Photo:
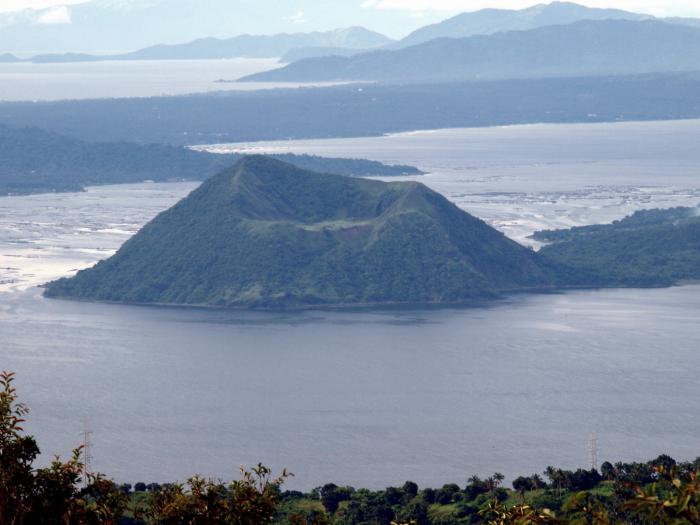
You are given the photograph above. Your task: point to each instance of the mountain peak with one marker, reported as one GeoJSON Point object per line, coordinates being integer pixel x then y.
{"type": "Point", "coordinates": [266, 234]}
{"type": "Point", "coordinates": [492, 20]}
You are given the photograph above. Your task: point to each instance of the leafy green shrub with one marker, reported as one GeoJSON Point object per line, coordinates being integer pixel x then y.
{"type": "Point", "coordinates": [49, 495]}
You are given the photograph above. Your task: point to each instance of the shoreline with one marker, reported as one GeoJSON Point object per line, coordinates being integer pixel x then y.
{"type": "Point", "coordinates": [416, 132]}
{"type": "Point", "coordinates": [485, 302]}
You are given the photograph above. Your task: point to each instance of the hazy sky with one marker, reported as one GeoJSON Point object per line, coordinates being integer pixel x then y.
{"type": "Point", "coordinates": [111, 26]}
{"type": "Point", "coordinates": [657, 7]}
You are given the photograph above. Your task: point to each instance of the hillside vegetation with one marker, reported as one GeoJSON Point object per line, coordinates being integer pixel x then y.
{"type": "Point", "coordinates": [267, 234]}
{"type": "Point", "coordinates": [37, 161]}
{"type": "Point", "coordinates": [649, 248]}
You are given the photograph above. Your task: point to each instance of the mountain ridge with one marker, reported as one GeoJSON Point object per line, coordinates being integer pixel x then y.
{"type": "Point", "coordinates": [342, 41]}
{"type": "Point", "coordinates": [585, 48]}
{"type": "Point", "coordinates": [493, 20]}
{"type": "Point", "coordinates": [116, 28]}
{"type": "Point", "coordinates": [38, 161]}
{"type": "Point", "coordinates": [239, 46]}
{"type": "Point", "coordinates": [109, 28]}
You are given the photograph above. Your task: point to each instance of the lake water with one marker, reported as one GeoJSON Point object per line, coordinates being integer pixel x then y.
{"type": "Point", "coordinates": [85, 80]}
{"type": "Point", "coordinates": [373, 397]}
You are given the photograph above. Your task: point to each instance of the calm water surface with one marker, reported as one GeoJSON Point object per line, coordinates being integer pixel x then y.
{"type": "Point", "coordinates": [371, 397]}
{"type": "Point", "coordinates": [27, 81]}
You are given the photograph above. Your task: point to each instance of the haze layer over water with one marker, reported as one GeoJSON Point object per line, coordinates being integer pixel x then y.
{"type": "Point", "coordinates": [133, 78]}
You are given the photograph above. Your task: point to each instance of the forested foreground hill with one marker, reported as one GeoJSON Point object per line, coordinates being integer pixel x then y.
{"type": "Point", "coordinates": [37, 161]}
{"type": "Point", "coordinates": [649, 248]}
{"type": "Point", "coordinates": [268, 234]}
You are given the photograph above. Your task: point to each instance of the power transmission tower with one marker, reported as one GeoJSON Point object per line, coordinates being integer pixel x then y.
{"type": "Point", "coordinates": [594, 451]}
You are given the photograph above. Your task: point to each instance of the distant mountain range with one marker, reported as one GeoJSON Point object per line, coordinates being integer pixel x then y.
{"type": "Point", "coordinates": [109, 27]}
{"type": "Point", "coordinates": [489, 21]}
{"type": "Point", "coordinates": [292, 47]}
{"type": "Point", "coordinates": [253, 46]}
{"type": "Point", "coordinates": [243, 46]}
{"type": "Point", "coordinates": [37, 161]}
{"type": "Point", "coordinates": [602, 47]}
{"type": "Point", "coordinates": [268, 235]}
{"type": "Point", "coordinates": [695, 22]}
{"type": "Point", "coordinates": [301, 53]}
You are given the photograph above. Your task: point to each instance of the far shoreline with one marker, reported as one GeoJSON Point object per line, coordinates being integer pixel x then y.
{"type": "Point", "coordinates": [244, 146]}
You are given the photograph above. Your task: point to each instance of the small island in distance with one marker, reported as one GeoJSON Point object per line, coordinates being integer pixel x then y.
{"type": "Point", "coordinates": [266, 234]}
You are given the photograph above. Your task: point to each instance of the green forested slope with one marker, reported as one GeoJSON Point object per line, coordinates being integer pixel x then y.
{"type": "Point", "coordinates": [649, 248]}
{"type": "Point", "coordinates": [267, 234]}
{"type": "Point", "coordinates": [37, 161]}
